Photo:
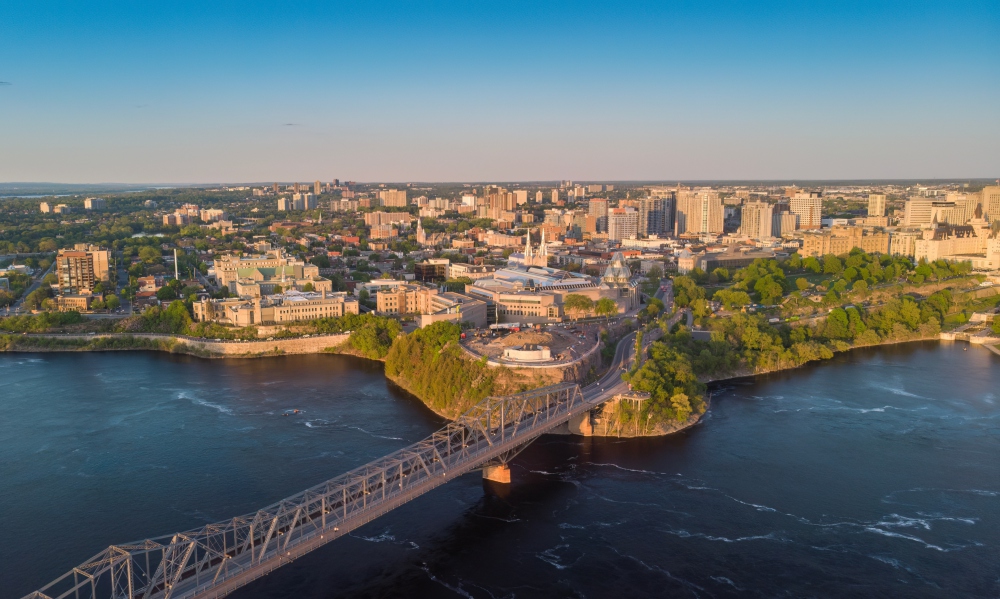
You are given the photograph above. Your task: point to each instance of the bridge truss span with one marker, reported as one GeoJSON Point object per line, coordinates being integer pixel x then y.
{"type": "Point", "coordinates": [214, 560]}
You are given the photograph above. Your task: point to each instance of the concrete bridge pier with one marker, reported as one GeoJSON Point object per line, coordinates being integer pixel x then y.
{"type": "Point", "coordinates": [498, 473]}
{"type": "Point", "coordinates": [581, 424]}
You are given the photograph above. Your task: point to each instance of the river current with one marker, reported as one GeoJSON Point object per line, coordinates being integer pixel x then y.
{"type": "Point", "coordinates": [874, 474]}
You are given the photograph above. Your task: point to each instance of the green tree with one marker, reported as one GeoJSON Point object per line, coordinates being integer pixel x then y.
{"type": "Point", "coordinates": [682, 406]}
{"type": "Point", "coordinates": [769, 289]}
{"type": "Point", "coordinates": [837, 325]}
{"type": "Point", "coordinates": [606, 307]}
{"type": "Point", "coordinates": [308, 287]}
{"type": "Point", "coordinates": [577, 304]}
{"type": "Point", "coordinates": [150, 255]}
{"type": "Point", "coordinates": [321, 261]}
{"type": "Point", "coordinates": [457, 284]}
{"type": "Point", "coordinates": [832, 265]}
{"type": "Point", "coordinates": [732, 298]}
{"type": "Point", "coordinates": [686, 291]}
{"type": "Point", "coordinates": [802, 284]}
{"type": "Point", "coordinates": [996, 325]}
{"type": "Point", "coordinates": [166, 293]}
{"type": "Point", "coordinates": [811, 263]}
{"type": "Point", "coordinates": [653, 308]}
{"type": "Point", "coordinates": [112, 302]}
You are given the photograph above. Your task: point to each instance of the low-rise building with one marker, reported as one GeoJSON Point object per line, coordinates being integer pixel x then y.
{"type": "Point", "coordinates": [431, 305]}
{"type": "Point", "coordinates": [454, 307]}
{"type": "Point", "coordinates": [732, 258]}
{"type": "Point", "coordinates": [287, 307]}
{"type": "Point", "coordinates": [975, 243]}
{"type": "Point", "coordinates": [258, 275]}
{"type": "Point", "coordinates": [81, 302]}
{"type": "Point", "coordinates": [471, 271]}
{"type": "Point", "coordinates": [842, 239]}
{"type": "Point", "coordinates": [432, 269]}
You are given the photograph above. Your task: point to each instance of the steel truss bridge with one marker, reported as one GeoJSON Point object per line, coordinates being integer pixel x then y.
{"type": "Point", "coordinates": [214, 560]}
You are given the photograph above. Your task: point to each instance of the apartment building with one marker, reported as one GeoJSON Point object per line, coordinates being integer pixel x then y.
{"type": "Point", "coordinates": [757, 221]}
{"type": "Point", "coordinates": [79, 269]}
{"type": "Point", "coordinates": [383, 232]}
{"type": "Point", "coordinates": [656, 215]}
{"type": "Point", "coordinates": [623, 223]}
{"type": "Point", "coordinates": [392, 198]}
{"type": "Point", "coordinates": [598, 208]}
{"type": "Point", "coordinates": [699, 212]}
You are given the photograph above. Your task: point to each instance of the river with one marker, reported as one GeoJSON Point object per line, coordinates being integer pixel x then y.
{"type": "Point", "coordinates": [873, 474]}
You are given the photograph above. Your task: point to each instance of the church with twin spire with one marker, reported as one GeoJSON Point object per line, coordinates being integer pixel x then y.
{"type": "Point", "coordinates": [529, 257]}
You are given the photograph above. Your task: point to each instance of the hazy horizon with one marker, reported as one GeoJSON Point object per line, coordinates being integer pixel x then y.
{"type": "Point", "coordinates": [197, 94]}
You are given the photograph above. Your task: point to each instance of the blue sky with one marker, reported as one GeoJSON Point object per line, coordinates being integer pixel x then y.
{"type": "Point", "coordinates": [458, 91]}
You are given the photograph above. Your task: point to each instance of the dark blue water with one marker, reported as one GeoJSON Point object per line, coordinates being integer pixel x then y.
{"type": "Point", "coordinates": [875, 474]}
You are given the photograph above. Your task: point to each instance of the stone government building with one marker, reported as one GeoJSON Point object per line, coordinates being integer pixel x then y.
{"type": "Point", "coordinates": [258, 275]}
{"type": "Point", "coordinates": [286, 307]}
{"type": "Point", "coordinates": [272, 288]}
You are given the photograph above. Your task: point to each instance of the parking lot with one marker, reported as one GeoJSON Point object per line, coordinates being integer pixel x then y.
{"type": "Point", "coordinates": [567, 341]}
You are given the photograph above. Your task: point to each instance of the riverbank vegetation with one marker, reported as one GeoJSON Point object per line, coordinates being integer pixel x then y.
{"type": "Point", "coordinates": [117, 343]}
{"type": "Point", "coordinates": [371, 335]}
{"type": "Point", "coordinates": [753, 327]}
{"type": "Point", "coordinates": [430, 364]}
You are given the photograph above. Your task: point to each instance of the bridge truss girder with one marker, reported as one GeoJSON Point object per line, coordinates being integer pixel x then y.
{"type": "Point", "coordinates": [218, 558]}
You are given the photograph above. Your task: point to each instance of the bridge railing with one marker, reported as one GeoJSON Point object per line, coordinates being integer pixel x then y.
{"type": "Point", "coordinates": [216, 559]}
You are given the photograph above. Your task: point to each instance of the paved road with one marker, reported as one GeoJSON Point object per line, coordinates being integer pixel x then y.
{"type": "Point", "coordinates": [34, 285]}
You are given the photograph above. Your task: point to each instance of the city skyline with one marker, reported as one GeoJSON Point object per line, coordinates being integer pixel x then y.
{"type": "Point", "coordinates": [141, 94]}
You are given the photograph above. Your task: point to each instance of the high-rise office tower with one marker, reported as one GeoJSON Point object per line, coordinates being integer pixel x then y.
{"type": "Point", "coordinates": [555, 196]}
{"type": "Point", "coordinates": [876, 204]}
{"type": "Point", "coordinates": [598, 208]}
{"type": "Point", "coordinates": [808, 206]}
{"type": "Point", "coordinates": [656, 215]}
{"type": "Point", "coordinates": [757, 221]}
{"type": "Point", "coordinates": [990, 201]}
{"type": "Point", "coordinates": [539, 197]}
{"type": "Point", "coordinates": [317, 188]}
{"type": "Point", "coordinates": [521, 197]}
